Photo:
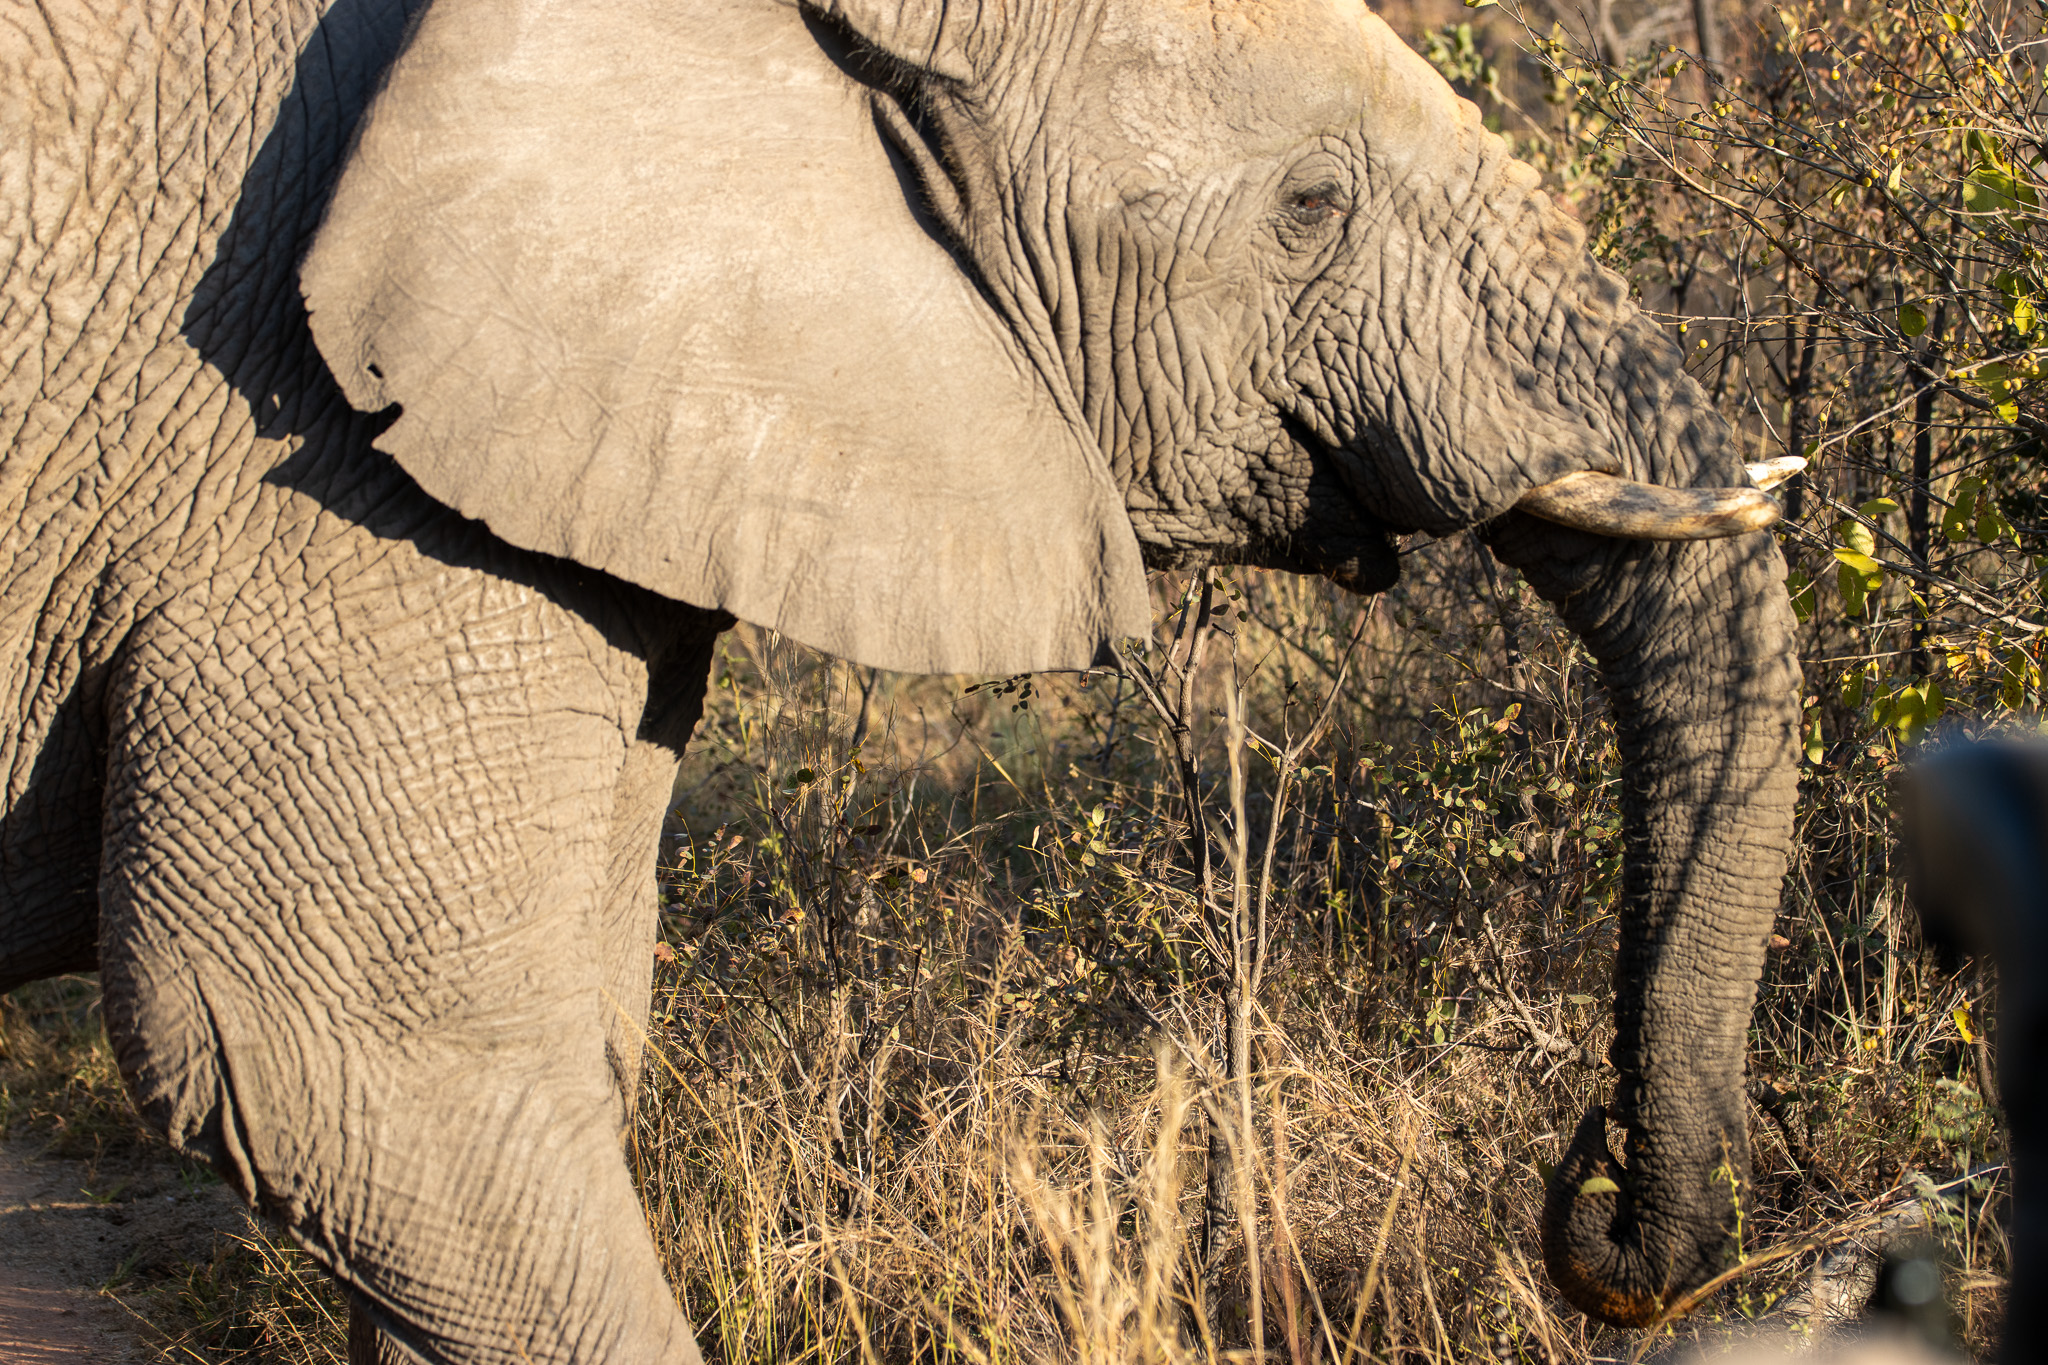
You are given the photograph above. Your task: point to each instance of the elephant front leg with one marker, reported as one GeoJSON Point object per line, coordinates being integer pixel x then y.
{"type": "Point", "coordinates": [626, 937]}
{"type": "Point", "coordinates": [353, 923]}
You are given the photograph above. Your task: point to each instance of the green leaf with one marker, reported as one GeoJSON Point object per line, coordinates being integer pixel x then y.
{"type": "Point", "coordinates": [1800, 588]}
{"type": "Point", "coordinates": [1852, 689]}
{"type": "Point", "coordinates": [1912, 319]}
{"type": "Point", "coordinates": [1815, 748]}
{"type": "Point", "coordinates": [1995, 378]}
{"type": "Point", "coordinates": [1876, 508]}
{"type": "Point", "coordinates": [1956, 521]}
{"type": "Point", "coordinates": [1915, 706]}
{"type": "Point", "coordinates": [1850, 585]}
{"type": "Point", "coordinates": [1599, 1184]}
{"type": "Point", "coordinates": [2012, 688]}
{"type": "Point", "coordinates": [2023, 318]}
{"type": "Point", "coordinates": [1909, 714]}
{"type": "Point", "coordinates": [1857, 577]}
{"type": "Point", "coordinates": [2001, 384]}
{"type": "Point", "coordinates": [1991, 523]}
{"type": "Point", "coordinates": [1991, 189]}
{"type": "Point", "coordinates": [1857, 537]}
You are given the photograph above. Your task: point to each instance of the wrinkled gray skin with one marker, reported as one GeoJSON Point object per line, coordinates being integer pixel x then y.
{"type": "Point", "coordinates": [352, 799]}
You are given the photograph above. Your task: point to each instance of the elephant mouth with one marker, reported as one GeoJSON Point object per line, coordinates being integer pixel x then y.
{"type": "Point", "coordinates": [1597, 501]}
{"type": "Point", "coordinates": [1361, 556]}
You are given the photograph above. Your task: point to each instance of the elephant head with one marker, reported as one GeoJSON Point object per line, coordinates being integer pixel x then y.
{"type": "Point", "coordinates": [914, 329]}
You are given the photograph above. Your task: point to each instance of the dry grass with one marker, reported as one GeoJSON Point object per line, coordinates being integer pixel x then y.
{"type": "Point", "coordinates": [932, 1059]}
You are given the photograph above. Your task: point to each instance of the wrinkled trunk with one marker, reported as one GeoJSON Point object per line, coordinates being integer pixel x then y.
{"type": "Point", "coordinates": [1694, 643]}
{"type": "Point", "coordinates": [1545, 369]}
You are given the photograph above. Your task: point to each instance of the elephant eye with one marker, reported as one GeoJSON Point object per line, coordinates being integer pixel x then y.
{"type": "Point", "coordinates": [1317, 204]}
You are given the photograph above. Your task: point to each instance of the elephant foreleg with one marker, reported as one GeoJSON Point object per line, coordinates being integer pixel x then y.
{"type": "Point", "coordinates": [626, 942]}
{"type": "Point", "coordinates": [359, 935]}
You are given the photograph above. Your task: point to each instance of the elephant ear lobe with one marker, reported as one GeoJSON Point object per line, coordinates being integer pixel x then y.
{"type": "Point", "coordinates": [650, 294]}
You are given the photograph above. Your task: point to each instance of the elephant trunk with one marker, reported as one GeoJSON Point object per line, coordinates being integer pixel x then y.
{"type": "Point", "coordinates": [1694, 642]}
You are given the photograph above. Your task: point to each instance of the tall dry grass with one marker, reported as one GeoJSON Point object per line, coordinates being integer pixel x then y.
{"type": "Point", "coordinates": [936, 1064]}
{"type": "Point", "coordinates": [939, 1053]}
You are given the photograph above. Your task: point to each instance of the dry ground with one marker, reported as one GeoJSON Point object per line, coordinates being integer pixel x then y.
{"type": "Point", "coordinates": [79, 1237]}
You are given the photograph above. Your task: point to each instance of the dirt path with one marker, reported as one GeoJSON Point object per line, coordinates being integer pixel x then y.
{"type": "Point", "coordinates": [69, 1227]}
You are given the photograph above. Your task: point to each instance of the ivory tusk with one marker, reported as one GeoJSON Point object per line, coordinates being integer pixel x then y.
{"type": "Point", "coordinates": [1768, 474]}
{"type": "Point", "coordinates": [1611, 506]}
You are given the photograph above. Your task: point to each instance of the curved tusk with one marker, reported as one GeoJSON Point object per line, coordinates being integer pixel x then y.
{"type": "Point", "coordinates": [1768, 474]}
{"type": "Point", "coordinates": [1611, 506]}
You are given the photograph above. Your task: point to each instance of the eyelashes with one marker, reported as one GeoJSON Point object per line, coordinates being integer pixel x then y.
{"type": "Point", "coordinates": [1310, 214]}
{"type": "Point", "coordinates": [1317, 204]}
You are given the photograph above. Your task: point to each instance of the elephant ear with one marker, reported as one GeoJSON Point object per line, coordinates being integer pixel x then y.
{"type": "Point", "coordinates": [651, 294]}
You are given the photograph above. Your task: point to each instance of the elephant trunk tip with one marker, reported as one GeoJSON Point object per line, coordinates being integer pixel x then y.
{"type": "Point", "coordinates": [1588, 1224]}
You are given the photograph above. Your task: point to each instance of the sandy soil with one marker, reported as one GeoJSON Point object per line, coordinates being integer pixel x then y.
{"type": "Point", "coordinates": [67, 1228]}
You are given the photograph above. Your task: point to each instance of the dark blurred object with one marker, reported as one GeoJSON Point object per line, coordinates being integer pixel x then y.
{"type": "Point", "coordinates": [1974, 835]}
{"type": "Point", "coordinates": [1910, 1300]}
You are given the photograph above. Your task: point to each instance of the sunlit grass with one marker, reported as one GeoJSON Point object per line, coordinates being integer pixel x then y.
{"type": "Point", "coordinates": [931, 1071]}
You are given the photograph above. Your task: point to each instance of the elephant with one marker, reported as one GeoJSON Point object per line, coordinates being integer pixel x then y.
{"type": "Point", "coordinates": [400, 396]}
